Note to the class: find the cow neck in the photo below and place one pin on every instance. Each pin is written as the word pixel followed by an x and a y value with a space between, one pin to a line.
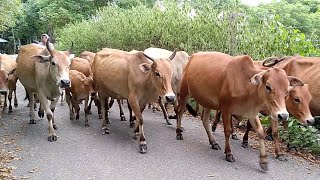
pixel 150 89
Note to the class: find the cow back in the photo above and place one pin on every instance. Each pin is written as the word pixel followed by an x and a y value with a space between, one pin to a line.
pixel 81 65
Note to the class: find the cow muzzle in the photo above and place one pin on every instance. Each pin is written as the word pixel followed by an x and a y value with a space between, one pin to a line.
pixel 64 83
pixel 283 116
pixel 170 97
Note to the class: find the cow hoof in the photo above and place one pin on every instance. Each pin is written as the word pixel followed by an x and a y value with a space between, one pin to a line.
pixel 15 105
pixel 244 144
pixel 179 137
pixel 234 136
pixel 77 117
pixel 105 130
pixel 52 138
pixel 32 121
pixel 10 110
pixel 86 125
pixel 40 114
pixel 230 158
pixel 100 116
pixel 61 104
pixel 172 117
pixel 213 128
pixel 216 146
pixel 264 166
pixel 55 127
pixel 292 148
pixel 269 137
pixel 143 148
pixel 71 118
pixel 168 122
pixel 132 124
pixel 281 157
pixel 122 118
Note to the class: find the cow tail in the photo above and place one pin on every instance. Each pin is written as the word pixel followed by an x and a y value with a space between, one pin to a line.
pixel 190 109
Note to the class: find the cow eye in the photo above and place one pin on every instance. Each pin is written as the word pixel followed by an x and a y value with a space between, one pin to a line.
pixel 157 74
pixel 7 79
pixel 296 99
pixel 268 87
pixel 53 63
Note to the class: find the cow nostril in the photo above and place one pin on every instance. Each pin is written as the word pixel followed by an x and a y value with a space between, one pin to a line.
pixel 283 117
pixel 65 82
pixel 310 121
pixel 170 98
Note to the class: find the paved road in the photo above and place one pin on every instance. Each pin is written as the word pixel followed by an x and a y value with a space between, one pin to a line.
pixel 83 153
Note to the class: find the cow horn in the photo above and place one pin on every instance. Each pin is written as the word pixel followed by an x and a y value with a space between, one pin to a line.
pixel 71 48
pixel 269 62
pixel 173 54
pixel 48 46
pixel 149 57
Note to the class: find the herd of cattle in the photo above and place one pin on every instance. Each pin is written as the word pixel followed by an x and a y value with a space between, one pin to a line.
pixel 235 86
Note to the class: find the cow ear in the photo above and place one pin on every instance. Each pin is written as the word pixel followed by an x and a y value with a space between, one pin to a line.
pixel 294 81
pixel 42 58
pixel 145 67
pixel 256 79
pixel 71 56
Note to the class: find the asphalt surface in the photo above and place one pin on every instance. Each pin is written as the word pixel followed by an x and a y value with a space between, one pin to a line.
pixel 84 153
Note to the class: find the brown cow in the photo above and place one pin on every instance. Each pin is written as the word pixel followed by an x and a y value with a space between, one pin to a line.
pixel 178 63
pixel 214 80
pixel 8 80
pixel 81 87
pixel 297 102
pixel 134 77
pixel 89 56
pixel 43 71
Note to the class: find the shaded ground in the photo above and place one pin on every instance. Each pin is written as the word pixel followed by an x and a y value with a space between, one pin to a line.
pixel 83 153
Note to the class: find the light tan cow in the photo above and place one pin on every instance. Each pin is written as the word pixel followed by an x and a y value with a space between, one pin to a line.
pixel 236 87
pixel 177 63
pixel 8 80
pixel 81 87
pixel 89 56
pixel 43 71
pixel 133 76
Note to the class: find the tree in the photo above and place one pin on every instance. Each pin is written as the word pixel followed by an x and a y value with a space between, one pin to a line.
pixel 9 10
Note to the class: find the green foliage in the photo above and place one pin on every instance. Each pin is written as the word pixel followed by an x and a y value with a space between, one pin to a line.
pixel 233 31
pixel 9 11
pixel 303 137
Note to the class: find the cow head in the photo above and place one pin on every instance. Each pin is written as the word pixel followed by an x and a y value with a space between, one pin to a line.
pixel 298 102
pixel 88 85
pixel 160 74
pixel 273 89
pixel 4 80
pixel 59 62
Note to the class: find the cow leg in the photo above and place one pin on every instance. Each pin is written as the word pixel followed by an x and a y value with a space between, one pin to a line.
pixel 122 117
pixel 68 99
pixel 105 116
pixel 5 101
pixel 31 105
pixel 62 96
pixel 206 124
pixel 52 108
pixel 130 114
pixel 279 154
pixel 216 120
pixel 137 110
pixel 86 123
pixel 165 113
pixel 226 117
pixel 90 103
pixel 44 103
pixel 15 98
pixel 182 101
pixel 10 99
pixel 40 111
pixel 256 124
pixel 245 139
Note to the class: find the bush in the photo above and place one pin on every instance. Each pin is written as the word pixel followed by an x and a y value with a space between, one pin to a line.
pixel 302 137
pixel 230 31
